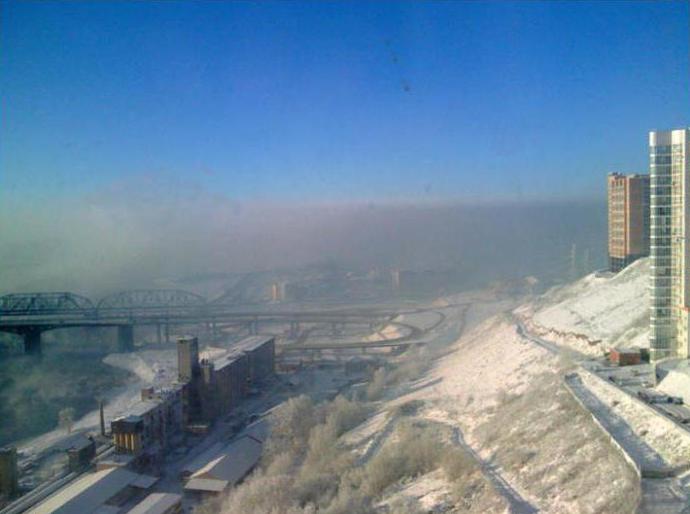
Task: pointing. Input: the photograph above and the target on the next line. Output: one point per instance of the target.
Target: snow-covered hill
(607, 309)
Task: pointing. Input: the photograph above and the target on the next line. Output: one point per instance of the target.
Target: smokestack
(102, 419)
(188, 359)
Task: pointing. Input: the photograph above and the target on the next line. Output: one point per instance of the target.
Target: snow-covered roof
(259, 430)
(206, 484)
(92, 491)
(157, 503)
(202, 459)
(251, 343)
(229, 464)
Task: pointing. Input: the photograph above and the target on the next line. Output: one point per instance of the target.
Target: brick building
(628, 219)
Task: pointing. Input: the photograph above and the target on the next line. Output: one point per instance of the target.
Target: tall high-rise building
(669, 188)
(628, 207)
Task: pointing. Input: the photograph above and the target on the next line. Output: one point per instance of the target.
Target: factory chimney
(102, 418)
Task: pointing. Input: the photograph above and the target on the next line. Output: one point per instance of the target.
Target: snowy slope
(504, 394)
(600, 306)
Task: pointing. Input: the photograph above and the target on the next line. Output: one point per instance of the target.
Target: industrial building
(104, 492)
(628, 219)
(81, 453)
(259, 430)
(188, 368)
(215, 387)
(206, 391)
(670, 296)
(261, 353)
(159, 503)
(625, 356)
(224, 466)
(222, 386)
(147, 429)
(9, 486)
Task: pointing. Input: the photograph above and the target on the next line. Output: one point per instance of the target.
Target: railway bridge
(31, 314)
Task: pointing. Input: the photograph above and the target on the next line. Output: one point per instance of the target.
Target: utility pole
(102, 418)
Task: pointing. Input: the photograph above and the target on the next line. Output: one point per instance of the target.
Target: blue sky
(337, 101)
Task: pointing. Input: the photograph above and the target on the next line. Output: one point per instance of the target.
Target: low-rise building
(625, 356)
(99, 492)
(159, 503)
(224, 467)
(9, 477)
(81, 453)
(259, 430)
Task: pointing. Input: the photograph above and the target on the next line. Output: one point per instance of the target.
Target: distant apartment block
(668, 155)
(628, 215)
(278, 291)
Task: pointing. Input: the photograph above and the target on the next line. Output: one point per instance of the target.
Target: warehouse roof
(251, 343)
(202, 459)
(228, 466)
(107, 509)
(259, 430)
(157, 503)
(92, 491)
(227, 359)
(207, 485)
(143, 407)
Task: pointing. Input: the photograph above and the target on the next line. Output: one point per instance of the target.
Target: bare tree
(66, 419)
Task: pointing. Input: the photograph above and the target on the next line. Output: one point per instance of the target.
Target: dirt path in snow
(516, 503)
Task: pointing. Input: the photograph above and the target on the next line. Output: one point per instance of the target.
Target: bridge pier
(32, 341)
(167, 332)
(125, 338)
(159, 334)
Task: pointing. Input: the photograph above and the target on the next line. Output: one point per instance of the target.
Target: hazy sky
(336, 100)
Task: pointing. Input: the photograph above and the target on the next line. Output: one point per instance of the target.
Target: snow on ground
(149, 367)
(423, 320)
(663, 436)
(156, 367)
(676, 381)
(505, 395)
(431, 490)
(390, 331)
(492, 359)
(612, 309)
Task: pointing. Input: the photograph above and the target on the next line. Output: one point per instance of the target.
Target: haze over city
(303, 257)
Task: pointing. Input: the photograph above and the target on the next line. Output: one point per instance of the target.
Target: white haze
(135, 235)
